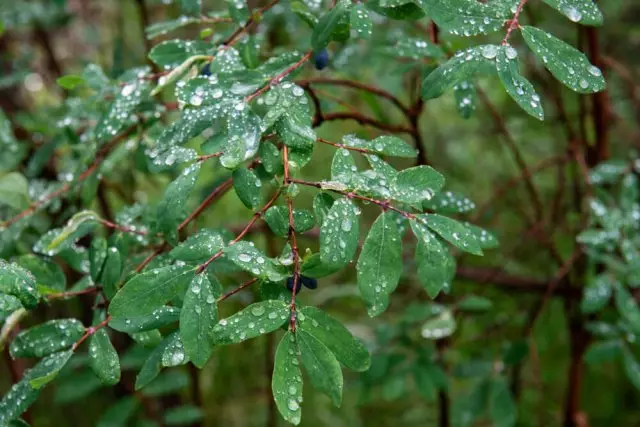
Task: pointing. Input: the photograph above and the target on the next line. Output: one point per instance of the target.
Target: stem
(202, 267)
(383, 204)
(70, 294)
(90, 331)
(346, 147)
(236, 290)
(123, 228)
(514, 23)
(274, 81)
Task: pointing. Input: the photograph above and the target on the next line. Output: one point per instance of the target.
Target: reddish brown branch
(356, 85)
(236, 290)
(365, 120)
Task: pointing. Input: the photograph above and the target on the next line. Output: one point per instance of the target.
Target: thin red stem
(514, 22)
(236, 290)
(202, 267)
(90, 331)
(274, 81)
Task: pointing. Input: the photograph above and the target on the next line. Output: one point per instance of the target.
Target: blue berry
(309, 282)
(302, 280)
(290, 284)
(321, 59)
(206, 70)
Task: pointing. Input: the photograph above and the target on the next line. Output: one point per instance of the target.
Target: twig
(236, 290)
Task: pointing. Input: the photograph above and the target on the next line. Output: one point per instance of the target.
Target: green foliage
(101, 198)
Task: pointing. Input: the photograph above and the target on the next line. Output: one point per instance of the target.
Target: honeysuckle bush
(232, 101)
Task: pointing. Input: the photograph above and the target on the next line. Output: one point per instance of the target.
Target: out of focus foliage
(208, 209)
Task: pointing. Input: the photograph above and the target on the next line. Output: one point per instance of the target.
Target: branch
(356, 85)
(365, 120)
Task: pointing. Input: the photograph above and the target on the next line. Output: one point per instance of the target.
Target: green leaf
(347, 349)
(380, 263)
(12, 151)
(361, 22)
(46, 371)
(248, 187)
(321, 365)
(161, 28)
(147, 291)
(518, 87)
(183, 415)
(570, 66)
(243, 130)
(119, 115)
(171, 53)
(448, 202)
(386, 145)
(153, 365)
(8, 304)
(198, 247)
(97, 257)
(502, 408)
(485, 239)
(119, 413)
(602, 351)
(584, 12)
(112, 271)
(270, 158)
(174, 353)
(57, 240)
(20, 397)
(465, 96)
(286, 382)
(436, 266)
(468, 17)
(409, 11)
(197, 320)
(158, 318)
(172, 208)
(251, 259)
(49, 276)
(169, 382)
(277, 217)
(461, 67)
(314, 267)
(339, 234)
(453, 232)
(191, 7)
(70, 81)
(147, 338)
(343, 167)
(103, 358)
(597, 294)
(631, 367)
(413, 185)
(414, 48)
(16, 281)
(627, 307)
(47, 338)
(474, 303)
(257, 319)
(334, 25)
(322, 203)
(439, 327)
(14, 191)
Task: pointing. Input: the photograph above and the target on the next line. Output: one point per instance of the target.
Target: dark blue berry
(309, 282)
(321, 59)
(302, 280)
(290, 284)
(206, 70)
